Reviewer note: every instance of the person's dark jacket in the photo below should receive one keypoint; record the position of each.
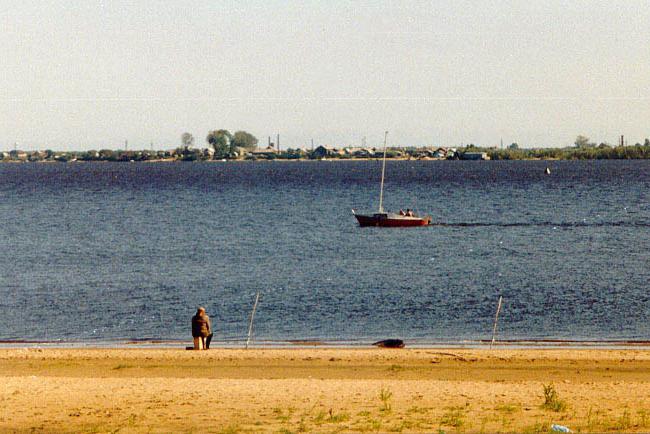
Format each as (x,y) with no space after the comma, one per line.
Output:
(201,326)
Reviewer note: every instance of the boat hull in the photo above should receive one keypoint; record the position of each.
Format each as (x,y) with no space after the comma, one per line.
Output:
(391,221)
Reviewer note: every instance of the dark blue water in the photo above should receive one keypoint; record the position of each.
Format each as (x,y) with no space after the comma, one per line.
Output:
(98,252)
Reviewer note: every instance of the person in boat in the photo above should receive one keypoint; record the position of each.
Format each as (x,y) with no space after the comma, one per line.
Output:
(409,213)
(401,212)
(201,330)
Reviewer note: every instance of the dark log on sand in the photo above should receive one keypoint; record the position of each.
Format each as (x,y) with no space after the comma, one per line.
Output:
(390,343)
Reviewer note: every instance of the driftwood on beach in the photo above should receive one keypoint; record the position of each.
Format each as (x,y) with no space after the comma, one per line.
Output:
(390,343)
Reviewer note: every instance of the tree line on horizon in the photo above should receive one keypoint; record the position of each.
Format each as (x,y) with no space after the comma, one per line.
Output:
(583,149)
(223,143)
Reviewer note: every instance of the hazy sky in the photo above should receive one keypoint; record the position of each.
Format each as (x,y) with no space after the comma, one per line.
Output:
(90,74)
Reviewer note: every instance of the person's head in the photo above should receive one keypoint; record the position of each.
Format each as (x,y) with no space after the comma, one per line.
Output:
(200,311)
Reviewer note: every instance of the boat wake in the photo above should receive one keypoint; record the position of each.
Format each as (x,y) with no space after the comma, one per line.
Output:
(543,224)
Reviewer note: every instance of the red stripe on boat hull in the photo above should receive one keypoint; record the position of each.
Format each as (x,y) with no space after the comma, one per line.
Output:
(388,222)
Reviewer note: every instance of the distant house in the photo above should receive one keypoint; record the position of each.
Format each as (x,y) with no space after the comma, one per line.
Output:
(440,153)
(18,155)
(208,153)
(363,153)
(268,153)
(322,152)
(240,152)
(426,153)
(474,156)
(358,152)
(61,157)
(36,156)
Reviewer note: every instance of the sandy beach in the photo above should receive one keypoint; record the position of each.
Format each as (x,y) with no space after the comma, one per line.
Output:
(322,390)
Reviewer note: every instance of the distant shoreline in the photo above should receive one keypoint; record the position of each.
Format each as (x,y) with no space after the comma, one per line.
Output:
(602,152)
(302,160)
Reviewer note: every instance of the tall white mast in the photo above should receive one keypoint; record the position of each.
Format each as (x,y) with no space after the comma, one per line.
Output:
(383,171)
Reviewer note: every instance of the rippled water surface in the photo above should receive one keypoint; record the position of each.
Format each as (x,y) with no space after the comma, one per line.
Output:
(105,251)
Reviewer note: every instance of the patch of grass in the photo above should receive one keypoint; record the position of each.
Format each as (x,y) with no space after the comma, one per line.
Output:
(89,428)
(330,417)
(552,400)
(454,417)
(643,417)
(506,412)
(417,410)
(508,408)
(230,429)
(484,421)
(370,425)
(593,419)
(320,417)
(281,416)
(338,418)
(122,366)
(302,426)
(539,427)
(623,422)
(363,413)
(404,425)
(385,396)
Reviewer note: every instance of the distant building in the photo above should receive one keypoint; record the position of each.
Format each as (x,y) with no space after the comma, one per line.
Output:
(18,155)
(357,152)
(474,156)
(268,153)
(322,152)
(440,153)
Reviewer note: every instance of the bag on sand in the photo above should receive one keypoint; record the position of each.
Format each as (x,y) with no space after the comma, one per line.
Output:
(207,341)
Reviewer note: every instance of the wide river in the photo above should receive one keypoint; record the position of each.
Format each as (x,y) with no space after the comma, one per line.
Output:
(107,252)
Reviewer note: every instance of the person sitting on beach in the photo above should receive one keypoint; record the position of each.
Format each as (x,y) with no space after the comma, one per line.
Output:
(201,329)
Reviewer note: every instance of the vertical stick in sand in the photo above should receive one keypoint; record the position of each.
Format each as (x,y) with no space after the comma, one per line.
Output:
(496,319)
(250,324)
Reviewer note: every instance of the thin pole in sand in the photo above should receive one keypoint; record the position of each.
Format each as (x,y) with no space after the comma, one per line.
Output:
(496,319)
(250,324)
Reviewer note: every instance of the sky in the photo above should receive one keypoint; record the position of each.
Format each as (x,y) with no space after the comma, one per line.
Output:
(80,75)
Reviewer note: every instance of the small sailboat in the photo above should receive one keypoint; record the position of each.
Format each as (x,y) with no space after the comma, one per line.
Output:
(547,171)
(389,219)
